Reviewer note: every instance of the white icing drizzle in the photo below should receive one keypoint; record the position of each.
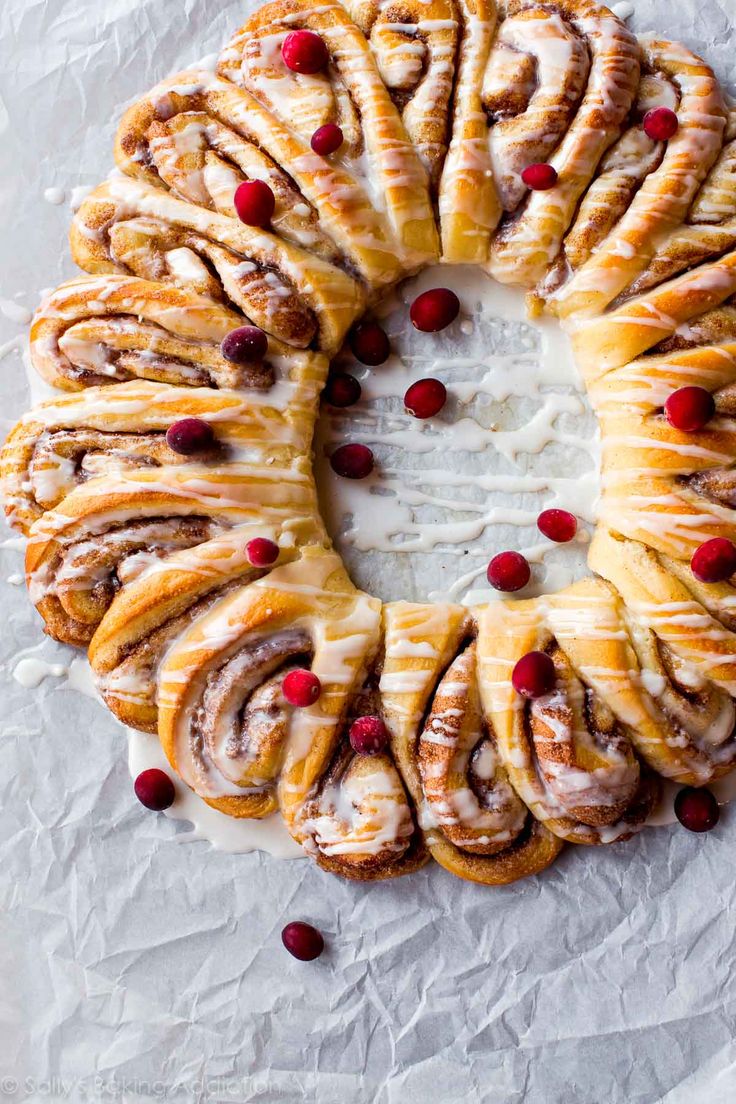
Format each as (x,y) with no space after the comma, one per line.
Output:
(516,437)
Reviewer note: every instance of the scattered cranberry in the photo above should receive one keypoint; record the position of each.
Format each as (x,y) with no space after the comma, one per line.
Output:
(262,552)
(189,435)
(254,202)
(540,177)
(342,390)
(327,139)
(425,398)
(435,309)
(302,941)
(557,525)
(508,571)
(534,675)
(154,789)
(301,688)
(352,461)
(246,345)
(304,52)
(370,344)
(696,809)
(660,124)
(714,561)
(368,735)
(689,408)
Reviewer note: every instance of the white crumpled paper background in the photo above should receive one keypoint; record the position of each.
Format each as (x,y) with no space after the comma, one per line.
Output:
(137,968)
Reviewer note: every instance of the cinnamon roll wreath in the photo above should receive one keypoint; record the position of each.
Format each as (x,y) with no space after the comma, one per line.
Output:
(202,579)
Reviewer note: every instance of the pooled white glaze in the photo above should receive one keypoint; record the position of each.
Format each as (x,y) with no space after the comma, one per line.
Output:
(223,832)
(15,312)
(144,751)
(517,436)
(54,196)
(724,790)
(31,670)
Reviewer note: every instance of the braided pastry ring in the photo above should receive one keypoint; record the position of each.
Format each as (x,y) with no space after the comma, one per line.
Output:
(146,552)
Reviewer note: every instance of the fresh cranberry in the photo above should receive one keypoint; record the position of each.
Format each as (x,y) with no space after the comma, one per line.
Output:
(540,177)
(154,789)
(326,139)
(301,688)
(246,345)
(425,398)
(689,408)
(370,344)
(342,390)
(660,124)
(696,809)
(534,675)
(302,941)
(189,435)
(714,561)
(434,309)
(352,461)
(304,52)
(262,552)
(557,525)
(254,202)
(508,571)
(368,735)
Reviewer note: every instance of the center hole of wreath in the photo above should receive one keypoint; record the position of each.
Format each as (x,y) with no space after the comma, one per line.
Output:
(516,436)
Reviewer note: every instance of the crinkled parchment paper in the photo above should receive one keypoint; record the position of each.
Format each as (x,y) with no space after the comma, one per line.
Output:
(138,968)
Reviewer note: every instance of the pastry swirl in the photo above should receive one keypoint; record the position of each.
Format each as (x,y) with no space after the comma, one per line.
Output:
(350,93)
(710,226)
(134,228)
(107,329)
(104,431)
(568,754)
(666,488)
(230,734)
(473,823)
(622,171)
(683,633)
(108,531)
(200,137)
(665,195)
(416,57)
(641,324)
(527,243)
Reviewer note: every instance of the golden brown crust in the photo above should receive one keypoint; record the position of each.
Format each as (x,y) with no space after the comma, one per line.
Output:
(473,825)
(569,754)
(65,442)
(683,634)
(199,137)
(351,94)
(134,228)
(349,811)
(616,338)
(665,195)
(100,330)
(664,487)
(108,531)
(527,243)
(468,202)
